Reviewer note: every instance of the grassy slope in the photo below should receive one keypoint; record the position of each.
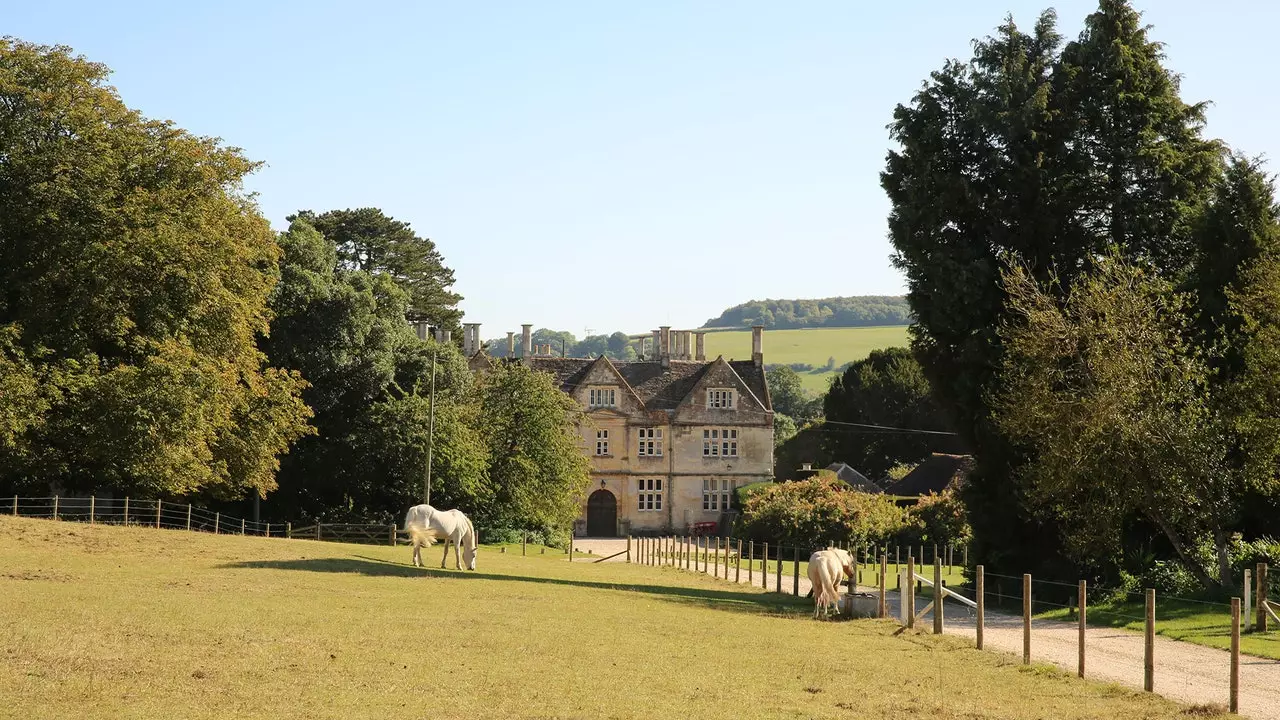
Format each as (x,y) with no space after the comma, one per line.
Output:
(812,345)
(144,623)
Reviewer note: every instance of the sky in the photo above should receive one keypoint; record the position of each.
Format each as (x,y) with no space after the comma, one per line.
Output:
(592,166)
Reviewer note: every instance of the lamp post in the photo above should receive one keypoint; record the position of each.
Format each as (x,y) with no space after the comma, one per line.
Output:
(431,421)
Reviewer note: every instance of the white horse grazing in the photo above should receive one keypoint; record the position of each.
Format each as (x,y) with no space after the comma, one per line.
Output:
(825,567)
(425,524)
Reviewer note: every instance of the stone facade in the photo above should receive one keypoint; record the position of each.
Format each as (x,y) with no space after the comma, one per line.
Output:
(669,437)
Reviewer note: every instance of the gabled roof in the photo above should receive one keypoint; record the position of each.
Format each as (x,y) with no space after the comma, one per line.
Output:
(938,472)
(657,387)
(856,480)
(603,366)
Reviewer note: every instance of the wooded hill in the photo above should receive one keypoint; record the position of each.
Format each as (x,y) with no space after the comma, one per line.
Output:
(858,311)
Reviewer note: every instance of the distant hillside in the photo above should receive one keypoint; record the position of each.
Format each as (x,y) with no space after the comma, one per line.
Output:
(860,311)
(815,353)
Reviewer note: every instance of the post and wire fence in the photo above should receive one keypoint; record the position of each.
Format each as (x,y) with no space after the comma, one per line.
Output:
(932,589)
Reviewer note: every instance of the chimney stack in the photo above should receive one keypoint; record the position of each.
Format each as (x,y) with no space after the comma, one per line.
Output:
(688,344)
(640,349)
(664,353)
(526,340)
(511,344)
(657,345)
(470,339)
(757,345)
(702,355)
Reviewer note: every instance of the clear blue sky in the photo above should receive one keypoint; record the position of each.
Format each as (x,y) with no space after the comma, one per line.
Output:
(603,165)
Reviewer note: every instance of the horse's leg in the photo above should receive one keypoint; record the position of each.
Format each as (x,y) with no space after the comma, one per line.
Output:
(445,559)
(457,554)
(417,558)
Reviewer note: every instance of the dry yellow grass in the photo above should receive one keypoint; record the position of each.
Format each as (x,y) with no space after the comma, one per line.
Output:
(144,623)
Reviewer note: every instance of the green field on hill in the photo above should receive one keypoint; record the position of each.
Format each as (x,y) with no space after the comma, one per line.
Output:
(808,345)
(145,623)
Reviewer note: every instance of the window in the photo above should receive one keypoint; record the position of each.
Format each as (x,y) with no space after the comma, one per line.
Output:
(602,397)
(720,442)
(602,442)
(650,496)
(717,494)
(722,398)
(650,442)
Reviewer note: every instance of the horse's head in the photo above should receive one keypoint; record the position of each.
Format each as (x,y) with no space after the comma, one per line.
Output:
(469,556)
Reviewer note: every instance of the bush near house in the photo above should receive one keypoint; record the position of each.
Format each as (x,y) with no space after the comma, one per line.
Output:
(817,511)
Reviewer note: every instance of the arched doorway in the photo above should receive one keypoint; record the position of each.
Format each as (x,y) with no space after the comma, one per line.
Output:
(602,514)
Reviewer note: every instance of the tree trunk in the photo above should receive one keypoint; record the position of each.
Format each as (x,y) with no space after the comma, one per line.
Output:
(1176,540)
(1220,540)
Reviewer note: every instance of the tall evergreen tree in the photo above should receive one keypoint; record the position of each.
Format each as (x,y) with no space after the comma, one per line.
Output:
(369,241)
(1053,158)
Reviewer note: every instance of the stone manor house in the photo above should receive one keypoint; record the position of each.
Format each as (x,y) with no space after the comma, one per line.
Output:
(669,435)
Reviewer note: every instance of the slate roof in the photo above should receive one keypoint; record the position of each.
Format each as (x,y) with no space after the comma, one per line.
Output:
(658,388)
(935,474)
(855,479)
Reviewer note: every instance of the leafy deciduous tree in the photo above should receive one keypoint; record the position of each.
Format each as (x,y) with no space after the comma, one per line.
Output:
(134,273)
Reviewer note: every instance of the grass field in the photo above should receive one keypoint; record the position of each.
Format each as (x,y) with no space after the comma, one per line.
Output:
(144,623)
(810,345)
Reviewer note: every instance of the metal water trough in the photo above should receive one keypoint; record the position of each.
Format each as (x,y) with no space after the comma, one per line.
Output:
(859,605)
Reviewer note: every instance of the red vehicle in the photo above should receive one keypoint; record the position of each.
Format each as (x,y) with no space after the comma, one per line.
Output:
(699,529)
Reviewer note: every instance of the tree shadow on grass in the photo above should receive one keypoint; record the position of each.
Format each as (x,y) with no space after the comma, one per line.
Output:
(757,603)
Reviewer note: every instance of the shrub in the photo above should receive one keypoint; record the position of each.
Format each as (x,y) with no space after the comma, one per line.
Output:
(511,536)
(816,511)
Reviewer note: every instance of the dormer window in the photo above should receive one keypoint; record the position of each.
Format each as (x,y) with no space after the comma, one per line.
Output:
(720,398)
(602,397)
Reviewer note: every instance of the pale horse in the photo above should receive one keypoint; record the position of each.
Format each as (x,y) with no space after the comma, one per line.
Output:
(825,567)
(425,524)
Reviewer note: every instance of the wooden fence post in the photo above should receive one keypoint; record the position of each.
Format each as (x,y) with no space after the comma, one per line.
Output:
(778,579)
(910,589)
(1026,619)
(1261,581)
(628,549)
(188,516)
(715,569)
(737,570)
(288,529)
(764,566)
(1248,597)
(1082,603)
(938,595)
(571,546)
(269,531)
(216,517)
(126,512)
(91,508)
(981,594)
(15,505)
(795,573)
(897,555)
(882,608)
(241,526)
(391,533)
(1149,644)
(751,562)
(524,539)
(317,528)
(157,513)
(966,554)
(55,507)
(1234,698)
